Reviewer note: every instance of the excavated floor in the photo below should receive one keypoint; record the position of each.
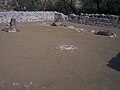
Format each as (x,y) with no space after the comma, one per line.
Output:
(32,60)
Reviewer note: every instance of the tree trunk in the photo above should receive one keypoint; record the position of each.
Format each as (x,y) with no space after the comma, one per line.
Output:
(66,10)
(108,5)
(73,9)
(98,6)
(119,11)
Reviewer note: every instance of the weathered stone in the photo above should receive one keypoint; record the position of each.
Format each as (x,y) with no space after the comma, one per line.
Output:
(58,24)
(11,27)
(13,22)
(31,16)
(119,20)
(104,33)
(53,24)
(103,20)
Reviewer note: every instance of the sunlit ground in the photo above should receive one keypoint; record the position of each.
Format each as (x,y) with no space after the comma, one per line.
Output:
(29,59)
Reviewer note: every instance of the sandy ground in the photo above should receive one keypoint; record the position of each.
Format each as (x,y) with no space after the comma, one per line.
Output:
(29,59)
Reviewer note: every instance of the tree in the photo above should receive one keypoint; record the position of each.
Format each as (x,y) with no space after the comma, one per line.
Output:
(98,2)
(69,6)
(72,6)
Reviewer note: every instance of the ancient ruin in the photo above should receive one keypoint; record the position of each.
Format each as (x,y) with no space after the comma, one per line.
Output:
(105,33)
(102,20)
(11,27)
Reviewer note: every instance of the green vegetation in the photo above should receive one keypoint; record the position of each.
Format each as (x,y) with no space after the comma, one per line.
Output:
(65,6)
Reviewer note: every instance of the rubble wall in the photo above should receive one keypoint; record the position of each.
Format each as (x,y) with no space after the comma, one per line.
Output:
(112,21)
(30,16)
(102,20)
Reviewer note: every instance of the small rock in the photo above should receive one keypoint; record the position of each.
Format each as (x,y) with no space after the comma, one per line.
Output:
(66,47)
(27,85)
(104,33)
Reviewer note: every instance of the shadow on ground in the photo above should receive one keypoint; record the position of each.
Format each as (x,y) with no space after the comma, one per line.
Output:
(114,63)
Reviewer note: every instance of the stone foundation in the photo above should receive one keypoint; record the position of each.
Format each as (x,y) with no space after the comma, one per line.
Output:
(31,16)
(9,28)
(102,20)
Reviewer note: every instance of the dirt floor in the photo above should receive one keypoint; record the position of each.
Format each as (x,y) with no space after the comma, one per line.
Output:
(29,59)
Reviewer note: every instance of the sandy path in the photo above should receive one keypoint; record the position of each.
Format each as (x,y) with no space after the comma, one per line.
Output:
(29,59)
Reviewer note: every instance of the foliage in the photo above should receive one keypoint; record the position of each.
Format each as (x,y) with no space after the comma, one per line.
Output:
(65,6)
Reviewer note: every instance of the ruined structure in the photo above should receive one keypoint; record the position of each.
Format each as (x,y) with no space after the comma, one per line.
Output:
(102,20)
(11,27)
(104,33)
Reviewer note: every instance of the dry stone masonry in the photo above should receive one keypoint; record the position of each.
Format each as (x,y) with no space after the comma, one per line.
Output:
(30,16)
(11,27)
(112,21)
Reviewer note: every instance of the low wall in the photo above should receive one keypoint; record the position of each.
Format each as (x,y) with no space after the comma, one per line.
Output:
(32,16)
(102,20)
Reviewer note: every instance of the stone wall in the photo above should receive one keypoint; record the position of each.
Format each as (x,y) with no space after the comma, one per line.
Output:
(112,21)
(102,20)
(32,16)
